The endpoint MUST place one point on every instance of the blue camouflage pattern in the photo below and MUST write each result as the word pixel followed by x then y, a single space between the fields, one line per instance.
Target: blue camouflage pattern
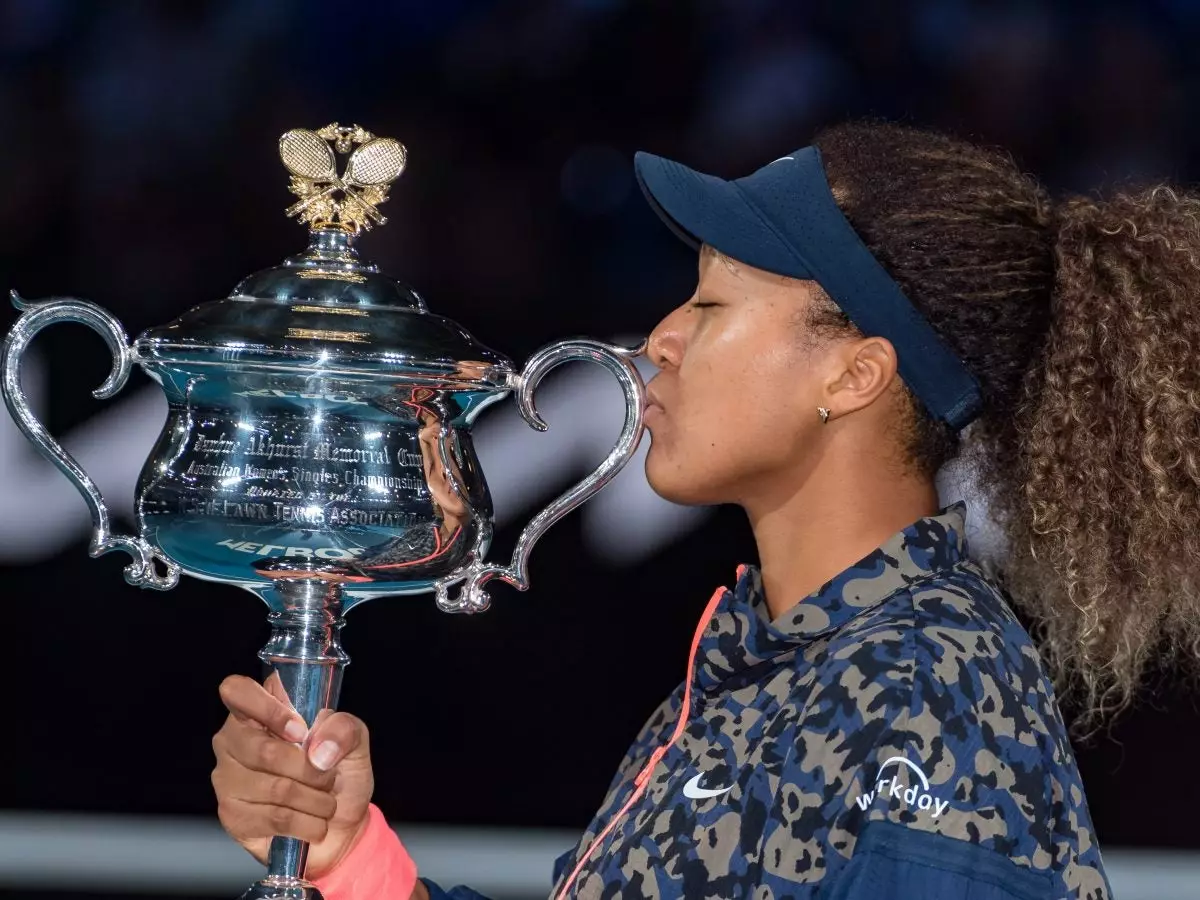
pixel 902 691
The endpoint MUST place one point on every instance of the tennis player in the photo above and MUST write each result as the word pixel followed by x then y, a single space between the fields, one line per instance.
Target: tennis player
pixel 863 716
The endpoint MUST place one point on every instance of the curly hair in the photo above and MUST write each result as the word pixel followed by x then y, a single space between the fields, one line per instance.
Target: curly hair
pixel 1079 320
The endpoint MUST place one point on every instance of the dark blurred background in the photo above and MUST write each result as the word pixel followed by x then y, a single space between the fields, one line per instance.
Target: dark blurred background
pixel 138 169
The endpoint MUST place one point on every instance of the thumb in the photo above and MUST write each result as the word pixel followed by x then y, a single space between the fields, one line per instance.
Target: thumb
pixel 337 736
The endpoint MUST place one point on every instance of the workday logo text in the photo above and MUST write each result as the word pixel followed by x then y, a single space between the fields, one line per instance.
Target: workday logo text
pixel 916 796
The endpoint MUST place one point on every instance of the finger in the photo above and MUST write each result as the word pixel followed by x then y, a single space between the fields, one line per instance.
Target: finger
pixel 260 752
pixel 335 737
pixel 273 685
pixel 250 702
pixel 234 781
pixel 249 821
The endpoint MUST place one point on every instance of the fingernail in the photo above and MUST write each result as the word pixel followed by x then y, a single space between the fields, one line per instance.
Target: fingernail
pixel 295 731
pixel 323 756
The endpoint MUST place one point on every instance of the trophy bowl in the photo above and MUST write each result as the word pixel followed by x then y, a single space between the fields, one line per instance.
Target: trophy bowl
pixel 317 449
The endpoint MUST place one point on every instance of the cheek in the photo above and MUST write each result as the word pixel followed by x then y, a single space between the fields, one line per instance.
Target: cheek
pixel 746 385
pixel 738 416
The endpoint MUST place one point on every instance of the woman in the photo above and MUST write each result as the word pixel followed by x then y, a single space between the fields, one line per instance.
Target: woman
pixel 863 716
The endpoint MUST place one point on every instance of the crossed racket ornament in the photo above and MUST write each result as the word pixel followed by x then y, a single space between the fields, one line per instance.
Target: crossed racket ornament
pixel 373 165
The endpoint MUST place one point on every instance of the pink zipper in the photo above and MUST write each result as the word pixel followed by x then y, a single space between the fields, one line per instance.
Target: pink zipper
pixel 643 777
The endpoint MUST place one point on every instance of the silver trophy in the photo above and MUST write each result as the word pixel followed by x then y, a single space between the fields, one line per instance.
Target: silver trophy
pixel 317 450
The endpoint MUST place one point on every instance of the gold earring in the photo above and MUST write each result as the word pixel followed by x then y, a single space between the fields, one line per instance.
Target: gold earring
pixel 824 414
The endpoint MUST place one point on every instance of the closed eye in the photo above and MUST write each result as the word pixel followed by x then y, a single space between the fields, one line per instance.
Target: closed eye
pixel 703 304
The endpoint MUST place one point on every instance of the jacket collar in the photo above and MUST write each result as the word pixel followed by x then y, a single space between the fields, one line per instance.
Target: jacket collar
pixel 741 636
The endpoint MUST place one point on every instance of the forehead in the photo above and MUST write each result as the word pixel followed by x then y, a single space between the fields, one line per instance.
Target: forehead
pixel 730 278
pixel 716 266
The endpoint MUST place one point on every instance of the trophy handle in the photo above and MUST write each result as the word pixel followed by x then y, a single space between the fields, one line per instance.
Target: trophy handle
pixel 618 360
pixel 36 316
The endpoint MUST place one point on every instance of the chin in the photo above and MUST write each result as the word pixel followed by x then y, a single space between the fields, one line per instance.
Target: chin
pixel 676 484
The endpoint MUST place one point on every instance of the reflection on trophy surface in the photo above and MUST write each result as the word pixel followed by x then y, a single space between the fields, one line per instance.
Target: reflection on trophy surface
pixel 317 450
pixel 432 544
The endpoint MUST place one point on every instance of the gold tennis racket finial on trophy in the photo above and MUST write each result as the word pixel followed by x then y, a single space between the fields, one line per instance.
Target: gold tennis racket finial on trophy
pixel 373 165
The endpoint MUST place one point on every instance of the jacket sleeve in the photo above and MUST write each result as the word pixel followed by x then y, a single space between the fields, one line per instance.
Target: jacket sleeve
pixel 892 862
pixel 456 893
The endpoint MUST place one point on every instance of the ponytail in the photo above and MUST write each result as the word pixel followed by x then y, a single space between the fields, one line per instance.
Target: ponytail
pixel 1106 550
pixel 1081 321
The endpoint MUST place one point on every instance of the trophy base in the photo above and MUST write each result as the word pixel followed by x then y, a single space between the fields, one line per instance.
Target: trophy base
pixel 282 889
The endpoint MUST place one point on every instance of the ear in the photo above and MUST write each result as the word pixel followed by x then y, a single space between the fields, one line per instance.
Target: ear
pixel 860 372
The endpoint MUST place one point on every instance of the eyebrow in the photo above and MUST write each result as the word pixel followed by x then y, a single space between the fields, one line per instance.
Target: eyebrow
pixel 708 250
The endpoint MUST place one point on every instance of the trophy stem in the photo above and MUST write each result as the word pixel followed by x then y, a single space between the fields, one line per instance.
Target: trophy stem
pixel 304 651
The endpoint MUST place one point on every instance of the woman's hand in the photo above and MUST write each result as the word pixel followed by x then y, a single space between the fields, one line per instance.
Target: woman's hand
pixel 268 784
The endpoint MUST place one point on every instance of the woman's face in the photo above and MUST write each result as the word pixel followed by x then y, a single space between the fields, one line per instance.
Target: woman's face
pixel 441 482
pixel 734 408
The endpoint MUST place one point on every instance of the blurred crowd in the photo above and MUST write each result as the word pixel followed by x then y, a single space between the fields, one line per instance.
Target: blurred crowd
pixel 139 169
pixel 139 162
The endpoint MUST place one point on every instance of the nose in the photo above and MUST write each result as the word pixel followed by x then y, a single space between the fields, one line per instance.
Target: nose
pixel 666 343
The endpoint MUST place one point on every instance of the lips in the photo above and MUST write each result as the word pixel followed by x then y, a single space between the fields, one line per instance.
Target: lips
pixel 654 407
pixel 652 398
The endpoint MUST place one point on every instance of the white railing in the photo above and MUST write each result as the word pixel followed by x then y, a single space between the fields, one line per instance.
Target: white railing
pixel 163 856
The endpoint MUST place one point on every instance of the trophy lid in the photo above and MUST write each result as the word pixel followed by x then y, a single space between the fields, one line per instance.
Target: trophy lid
pixel 326 311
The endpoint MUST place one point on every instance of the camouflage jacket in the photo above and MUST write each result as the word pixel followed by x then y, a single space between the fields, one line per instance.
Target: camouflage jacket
pixel 892 736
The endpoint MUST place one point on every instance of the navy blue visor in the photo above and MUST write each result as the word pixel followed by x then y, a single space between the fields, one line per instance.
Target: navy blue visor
pixel 783 219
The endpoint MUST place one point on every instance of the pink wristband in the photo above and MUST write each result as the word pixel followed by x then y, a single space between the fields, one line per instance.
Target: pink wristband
pixel 376 868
